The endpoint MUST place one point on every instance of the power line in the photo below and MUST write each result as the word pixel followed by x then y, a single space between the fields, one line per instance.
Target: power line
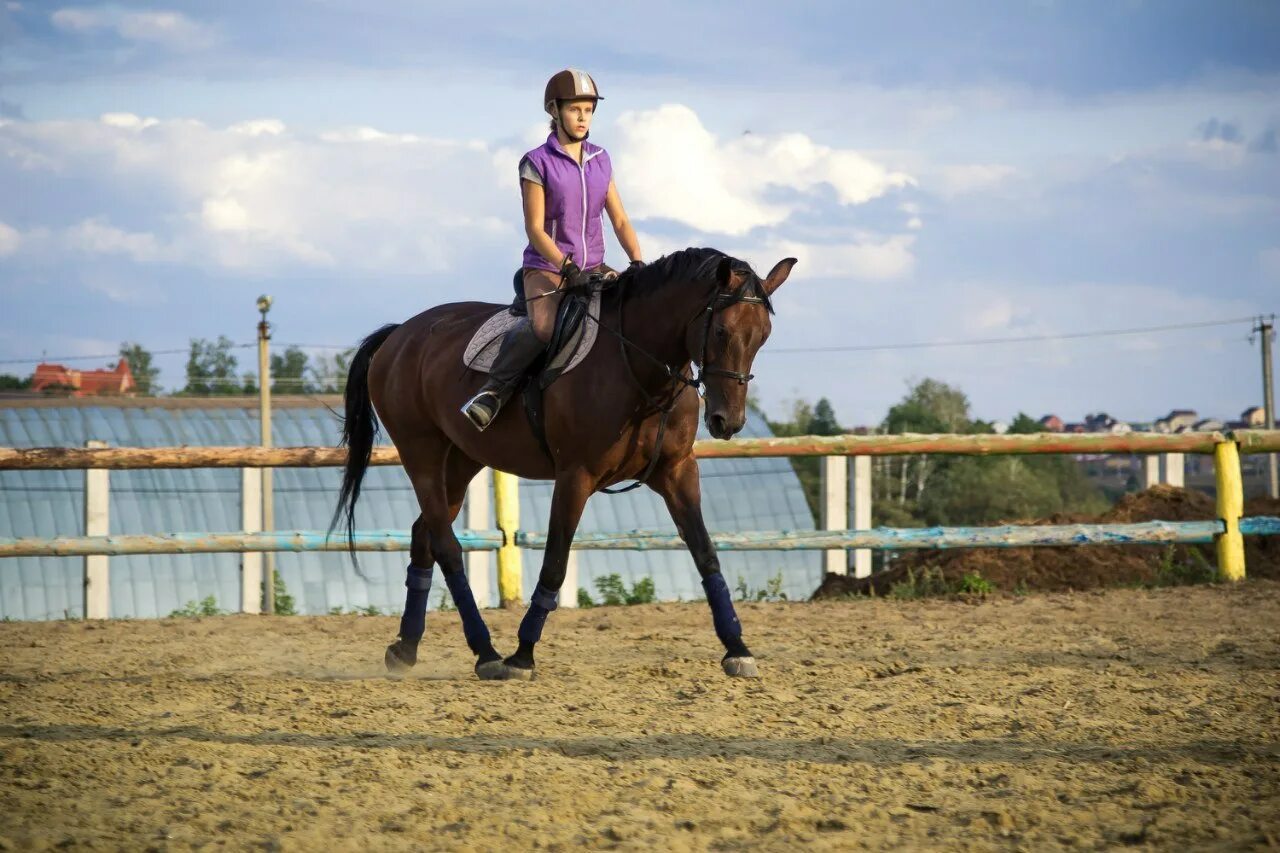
pixel 1013 340
pixel 1100 333
pixel 113 355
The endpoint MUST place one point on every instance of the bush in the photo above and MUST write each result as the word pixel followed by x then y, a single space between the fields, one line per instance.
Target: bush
pixel 613 592
pixel 207 606
pixel 285 605
pixel 772 590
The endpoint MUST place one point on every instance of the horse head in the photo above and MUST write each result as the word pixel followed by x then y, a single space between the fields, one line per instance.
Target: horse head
pixel 734 326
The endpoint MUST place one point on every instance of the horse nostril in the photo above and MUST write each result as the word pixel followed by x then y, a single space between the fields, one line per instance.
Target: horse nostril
pixel 717 425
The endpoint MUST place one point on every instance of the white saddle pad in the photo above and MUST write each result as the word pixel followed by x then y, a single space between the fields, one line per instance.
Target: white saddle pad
pixel 483 346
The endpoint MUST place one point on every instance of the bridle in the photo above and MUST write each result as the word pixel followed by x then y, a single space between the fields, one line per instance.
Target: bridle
pixel 703 368
pixel 718 300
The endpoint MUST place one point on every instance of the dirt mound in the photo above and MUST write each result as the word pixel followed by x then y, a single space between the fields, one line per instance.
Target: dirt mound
pixel 1079 568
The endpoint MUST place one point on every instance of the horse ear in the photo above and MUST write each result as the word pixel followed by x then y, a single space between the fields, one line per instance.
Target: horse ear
pixel 724 272
pixel 778 275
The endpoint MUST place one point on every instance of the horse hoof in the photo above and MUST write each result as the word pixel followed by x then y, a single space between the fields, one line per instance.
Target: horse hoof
pixel 494 670
pixel 396 665
pixel 516 673
pixel 740 667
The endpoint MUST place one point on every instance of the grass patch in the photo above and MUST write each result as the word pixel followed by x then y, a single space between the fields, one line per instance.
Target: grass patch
pixel 614 593
pixel 771 591
pixel 930 582
pixel 207 606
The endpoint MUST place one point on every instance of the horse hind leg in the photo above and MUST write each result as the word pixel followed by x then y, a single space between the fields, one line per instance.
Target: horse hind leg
pixel 403 653
pixel 459 472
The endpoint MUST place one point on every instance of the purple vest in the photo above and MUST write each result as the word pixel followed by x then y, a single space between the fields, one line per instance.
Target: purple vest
pixel 575 202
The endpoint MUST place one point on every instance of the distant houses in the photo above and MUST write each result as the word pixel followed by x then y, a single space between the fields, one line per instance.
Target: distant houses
pixel 1178 420
pixel 52 378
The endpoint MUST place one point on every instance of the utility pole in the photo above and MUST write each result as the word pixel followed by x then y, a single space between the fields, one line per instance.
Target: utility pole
pixel 1266 329
pixel 264 423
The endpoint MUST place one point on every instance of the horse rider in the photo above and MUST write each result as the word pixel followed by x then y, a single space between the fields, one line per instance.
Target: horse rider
pixel 566 183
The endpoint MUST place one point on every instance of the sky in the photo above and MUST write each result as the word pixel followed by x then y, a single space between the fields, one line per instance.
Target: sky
pixel 945 172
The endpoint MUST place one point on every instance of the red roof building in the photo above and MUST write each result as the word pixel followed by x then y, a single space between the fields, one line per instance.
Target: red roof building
pixel 84 383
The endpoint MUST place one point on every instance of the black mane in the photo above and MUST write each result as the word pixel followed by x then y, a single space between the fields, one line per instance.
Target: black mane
pixel 693 265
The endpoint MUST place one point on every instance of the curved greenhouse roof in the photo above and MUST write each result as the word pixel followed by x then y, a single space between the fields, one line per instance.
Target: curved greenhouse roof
pixel 738 494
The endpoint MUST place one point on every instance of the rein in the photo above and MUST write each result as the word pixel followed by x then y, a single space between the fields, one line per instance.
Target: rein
pixel 719 299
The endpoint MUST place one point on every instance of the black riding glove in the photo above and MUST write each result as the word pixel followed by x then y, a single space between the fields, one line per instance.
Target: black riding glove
pixel 571 275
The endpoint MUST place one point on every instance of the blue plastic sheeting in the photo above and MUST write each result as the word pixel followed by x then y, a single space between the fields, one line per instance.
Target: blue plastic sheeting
pixel 738 494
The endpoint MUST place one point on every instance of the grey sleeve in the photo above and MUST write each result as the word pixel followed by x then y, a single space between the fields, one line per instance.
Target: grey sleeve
pixel 529 173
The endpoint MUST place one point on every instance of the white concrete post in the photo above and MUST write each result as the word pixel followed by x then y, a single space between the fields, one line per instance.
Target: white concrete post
pixel 860 500
pixel 569 591
pixel 835 509
pixel 1150 471
pixel 97 574
pixel 1174 469
pixel 251 522
pixel 480 517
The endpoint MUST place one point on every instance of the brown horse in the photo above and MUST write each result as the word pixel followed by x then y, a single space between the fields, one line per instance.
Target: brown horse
pixel 627 411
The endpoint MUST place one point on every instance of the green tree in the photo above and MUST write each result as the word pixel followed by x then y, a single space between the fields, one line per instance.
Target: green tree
pixel 823 421
pixel 288 372
pixel 211 368
pixel 329 374
pixel 929 406
pixel 806 419
pixel 144 372
pixel 9 382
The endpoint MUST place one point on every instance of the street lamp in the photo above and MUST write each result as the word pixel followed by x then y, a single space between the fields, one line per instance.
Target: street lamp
pixel 264 424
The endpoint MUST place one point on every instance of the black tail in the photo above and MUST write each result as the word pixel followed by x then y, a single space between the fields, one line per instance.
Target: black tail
pixel 359 431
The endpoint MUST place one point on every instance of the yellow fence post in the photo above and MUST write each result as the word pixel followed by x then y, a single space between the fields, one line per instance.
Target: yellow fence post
pixel 506 507
pixel 1226 463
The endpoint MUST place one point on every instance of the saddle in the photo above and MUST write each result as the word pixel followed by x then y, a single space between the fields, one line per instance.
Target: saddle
pixel 570 343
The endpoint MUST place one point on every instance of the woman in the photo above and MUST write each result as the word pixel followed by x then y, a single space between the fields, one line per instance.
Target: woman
pixel 566 184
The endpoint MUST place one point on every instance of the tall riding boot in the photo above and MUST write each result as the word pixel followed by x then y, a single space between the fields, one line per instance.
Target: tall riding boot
pixel 520 347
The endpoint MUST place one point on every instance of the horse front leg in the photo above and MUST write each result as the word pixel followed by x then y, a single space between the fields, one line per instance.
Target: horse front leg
pixel 681 488
pixel 567 502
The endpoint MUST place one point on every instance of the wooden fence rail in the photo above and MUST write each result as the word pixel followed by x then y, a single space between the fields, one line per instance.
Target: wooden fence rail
pixel 133 458
pixel 835 538
pixel 881 538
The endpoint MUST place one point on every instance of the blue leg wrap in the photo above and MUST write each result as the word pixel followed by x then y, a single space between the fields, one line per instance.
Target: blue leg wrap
pixel 473 627
pixel 728 628
pixel 414 620
pixel 541 603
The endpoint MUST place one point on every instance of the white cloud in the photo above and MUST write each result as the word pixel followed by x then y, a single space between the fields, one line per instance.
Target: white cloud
pixel 10 239
pixel 672 167
pixel 173 30
pixel 96 236
pixel 127 120
pixel 259 196
pixel 969 178
pixel 866 257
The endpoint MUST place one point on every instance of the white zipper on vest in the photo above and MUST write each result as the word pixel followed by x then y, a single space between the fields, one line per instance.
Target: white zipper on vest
pixel 582 170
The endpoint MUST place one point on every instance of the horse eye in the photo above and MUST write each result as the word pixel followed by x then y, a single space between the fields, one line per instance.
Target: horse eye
pixel 722 334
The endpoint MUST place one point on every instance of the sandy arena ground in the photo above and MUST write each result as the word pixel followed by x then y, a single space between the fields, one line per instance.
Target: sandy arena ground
pixel 1146 718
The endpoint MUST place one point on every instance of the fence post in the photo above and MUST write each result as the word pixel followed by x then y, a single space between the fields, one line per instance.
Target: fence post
pixel 1230 483
pixel 251 522
pixel 1174 469
pixel 506 504
pixel 835 509
pixel 860 492
pixel 479 506
pixel 1150 471
pixel 569 589
pixel 97 572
